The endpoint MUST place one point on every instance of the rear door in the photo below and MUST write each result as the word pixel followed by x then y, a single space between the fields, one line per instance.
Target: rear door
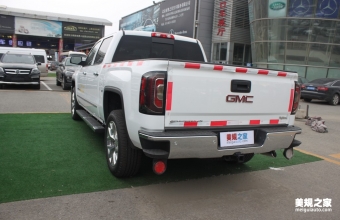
pixel 206 95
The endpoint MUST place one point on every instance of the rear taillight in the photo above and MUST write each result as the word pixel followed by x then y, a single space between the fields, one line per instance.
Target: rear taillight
pixel 303 86
pixel 322 88
pixel 151 96
pixel 297 93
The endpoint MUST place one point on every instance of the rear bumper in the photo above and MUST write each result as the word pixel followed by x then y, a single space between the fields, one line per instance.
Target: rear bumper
pixel 205 144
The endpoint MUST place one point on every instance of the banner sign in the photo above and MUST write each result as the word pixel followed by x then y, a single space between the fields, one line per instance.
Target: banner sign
pixel 175 17
pixel 7 24
pixel 327 9
pixel 37 27
pixel 277 8
pixel 82 31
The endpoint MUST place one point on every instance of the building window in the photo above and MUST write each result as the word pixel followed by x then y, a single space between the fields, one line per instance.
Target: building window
pixel 220 51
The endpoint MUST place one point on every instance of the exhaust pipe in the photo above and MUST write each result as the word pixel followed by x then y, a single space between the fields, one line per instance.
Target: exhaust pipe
pixel 288 153
pixel 270 154
pixel 237 157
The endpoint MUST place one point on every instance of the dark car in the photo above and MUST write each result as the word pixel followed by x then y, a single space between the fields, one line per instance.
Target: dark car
pixel 64 73
pixel 327 89
pixel 19 68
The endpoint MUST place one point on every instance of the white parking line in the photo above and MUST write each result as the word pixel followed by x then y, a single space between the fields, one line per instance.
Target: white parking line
pixel 46 86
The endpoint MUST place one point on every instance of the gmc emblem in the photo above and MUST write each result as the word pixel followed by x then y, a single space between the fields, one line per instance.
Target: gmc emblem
pixel 241 99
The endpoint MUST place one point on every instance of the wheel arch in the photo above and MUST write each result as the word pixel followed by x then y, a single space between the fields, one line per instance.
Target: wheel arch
pixel 112 100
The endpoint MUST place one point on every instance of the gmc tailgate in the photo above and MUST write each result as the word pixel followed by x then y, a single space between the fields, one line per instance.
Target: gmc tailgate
pixel 207 95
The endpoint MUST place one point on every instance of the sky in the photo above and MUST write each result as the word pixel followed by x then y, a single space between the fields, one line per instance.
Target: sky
pixel 112 10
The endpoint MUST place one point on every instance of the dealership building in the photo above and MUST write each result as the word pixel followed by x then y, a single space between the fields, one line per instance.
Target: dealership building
pixel 291 35
pixel 53 32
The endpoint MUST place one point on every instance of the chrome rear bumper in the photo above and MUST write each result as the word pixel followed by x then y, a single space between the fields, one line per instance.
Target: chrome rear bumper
pixel 205 144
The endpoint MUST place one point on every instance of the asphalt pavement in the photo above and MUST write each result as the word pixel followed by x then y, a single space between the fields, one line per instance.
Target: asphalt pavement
pixel 267 194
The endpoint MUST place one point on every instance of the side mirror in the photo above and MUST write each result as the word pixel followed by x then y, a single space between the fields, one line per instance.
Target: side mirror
pixel 39 64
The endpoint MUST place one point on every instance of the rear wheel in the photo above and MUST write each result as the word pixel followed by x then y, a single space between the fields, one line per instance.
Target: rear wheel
pixel 122 159
pixel 334 100
pixel 63 86
pixel 74 105
pixel 307 100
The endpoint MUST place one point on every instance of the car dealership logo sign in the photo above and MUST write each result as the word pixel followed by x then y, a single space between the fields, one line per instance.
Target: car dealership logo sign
pixel 301 7
pixel 70 28
pixel 328 7
pixel 277 6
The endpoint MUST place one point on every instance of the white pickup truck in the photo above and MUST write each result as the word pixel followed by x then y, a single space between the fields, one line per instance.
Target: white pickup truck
pixel 155 94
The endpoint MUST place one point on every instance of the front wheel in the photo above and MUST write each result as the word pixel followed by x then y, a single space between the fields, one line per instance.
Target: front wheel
pixel 37 87
pixel 63 84
pixel 334 100
pixel 122 159
pixel 56 80
pixel 74 105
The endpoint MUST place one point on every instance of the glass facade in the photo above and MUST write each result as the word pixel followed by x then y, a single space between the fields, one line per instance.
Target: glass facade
pixel 296 35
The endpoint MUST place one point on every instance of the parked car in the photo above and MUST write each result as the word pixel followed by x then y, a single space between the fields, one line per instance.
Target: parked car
pixel 19 68
pixel 64 73
pixel 327 89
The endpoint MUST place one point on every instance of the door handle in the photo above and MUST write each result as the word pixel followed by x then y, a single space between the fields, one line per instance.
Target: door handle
pixel 96 74
pixel 84 73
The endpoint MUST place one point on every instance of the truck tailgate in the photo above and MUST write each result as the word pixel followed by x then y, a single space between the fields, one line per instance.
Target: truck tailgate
pixel 208 95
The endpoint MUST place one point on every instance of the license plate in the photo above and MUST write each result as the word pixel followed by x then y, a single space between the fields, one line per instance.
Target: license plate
pixel 310 88
pixel 236 138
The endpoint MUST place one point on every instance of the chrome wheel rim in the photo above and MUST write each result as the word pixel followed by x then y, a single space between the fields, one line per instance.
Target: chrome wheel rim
pixel 72 102
pixel 335 99
pixel 112 143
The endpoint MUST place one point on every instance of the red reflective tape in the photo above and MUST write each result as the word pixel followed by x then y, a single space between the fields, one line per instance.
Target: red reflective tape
pixel 130 63
pixel 169 96
pixel 139 63
pixel 291 100
pixel 190 124
pixel 115 64
pixel 241 70
pixel 282 74
pixel 274 121
pixel 254 122
pixel 109 65
pixel 217 67
pixel 122 64
pixel 104 66
pixel 192 65
pixel 218 123
pixel 263 72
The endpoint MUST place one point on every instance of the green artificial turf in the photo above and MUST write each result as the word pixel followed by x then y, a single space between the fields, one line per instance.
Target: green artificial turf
pixel 51 75
pixel 44 155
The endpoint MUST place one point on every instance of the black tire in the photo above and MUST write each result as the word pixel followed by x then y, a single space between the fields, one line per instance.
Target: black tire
pixel 122 158
pixel 247 157
pixel 37 87
pixel 63 84
pixel 56 80
pixel 334 100
pixel 74 105
pixel 307 100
